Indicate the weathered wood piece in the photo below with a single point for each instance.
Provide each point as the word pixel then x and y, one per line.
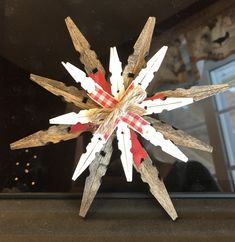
pixel 213 41
pixel 150 175
pixel 196 92
pixel 136 61
pixel 179 137
pixel 54 134
pixel 97 170
pixel 70 94
pixel 87 56
pixel 99 166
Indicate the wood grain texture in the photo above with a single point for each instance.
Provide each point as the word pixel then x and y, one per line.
pixel 179 137
pixel 99 166
pixel 136 61
pixel 70 94
pixel 87 56
pixel 97 170
pixel 196 92
pixel 150 175
pixel 54 134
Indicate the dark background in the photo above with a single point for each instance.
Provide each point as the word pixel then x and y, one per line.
pixel 34 39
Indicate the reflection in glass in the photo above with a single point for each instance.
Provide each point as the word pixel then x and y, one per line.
pixel 227 122
pixel 225 104
pixel 224 74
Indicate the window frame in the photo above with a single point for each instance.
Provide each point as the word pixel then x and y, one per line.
pixel 215 130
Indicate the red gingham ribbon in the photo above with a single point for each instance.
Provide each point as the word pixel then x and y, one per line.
pixel 107 101
pixel 135 121
pixel 103 98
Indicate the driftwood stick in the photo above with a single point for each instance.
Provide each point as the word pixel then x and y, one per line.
pixel 141 48
pixel 97 170
pixel 179 137
pixel 150 175
pixel 87 56
pixel 196 92
pixel 71 94
pixel 54 134
pixel 99 166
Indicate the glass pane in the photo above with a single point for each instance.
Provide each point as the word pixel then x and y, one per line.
pixel 224 74
pixel 191 119
pixel 199 132
pixel 227 121
pixel 185 117
pixel 34 39
pixel 233 176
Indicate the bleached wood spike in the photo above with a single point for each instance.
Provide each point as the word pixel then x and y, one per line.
pixel 124 145
pixel 179 137
pixel 95 146
pixel 116 79
pixel 83 117
pixel 158 105
pixel 156 138
pixel 146 75
pixel 87 83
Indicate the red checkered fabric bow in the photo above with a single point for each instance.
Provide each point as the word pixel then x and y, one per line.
pixel 121 109
pixel 106 100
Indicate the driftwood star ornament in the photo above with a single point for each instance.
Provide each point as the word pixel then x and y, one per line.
pixel 120 110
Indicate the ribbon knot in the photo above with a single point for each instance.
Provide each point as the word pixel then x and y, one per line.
pixel 128 103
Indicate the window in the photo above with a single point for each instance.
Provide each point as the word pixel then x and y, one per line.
pixel 225 111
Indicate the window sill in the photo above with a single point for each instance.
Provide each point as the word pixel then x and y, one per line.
pixel 116 219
